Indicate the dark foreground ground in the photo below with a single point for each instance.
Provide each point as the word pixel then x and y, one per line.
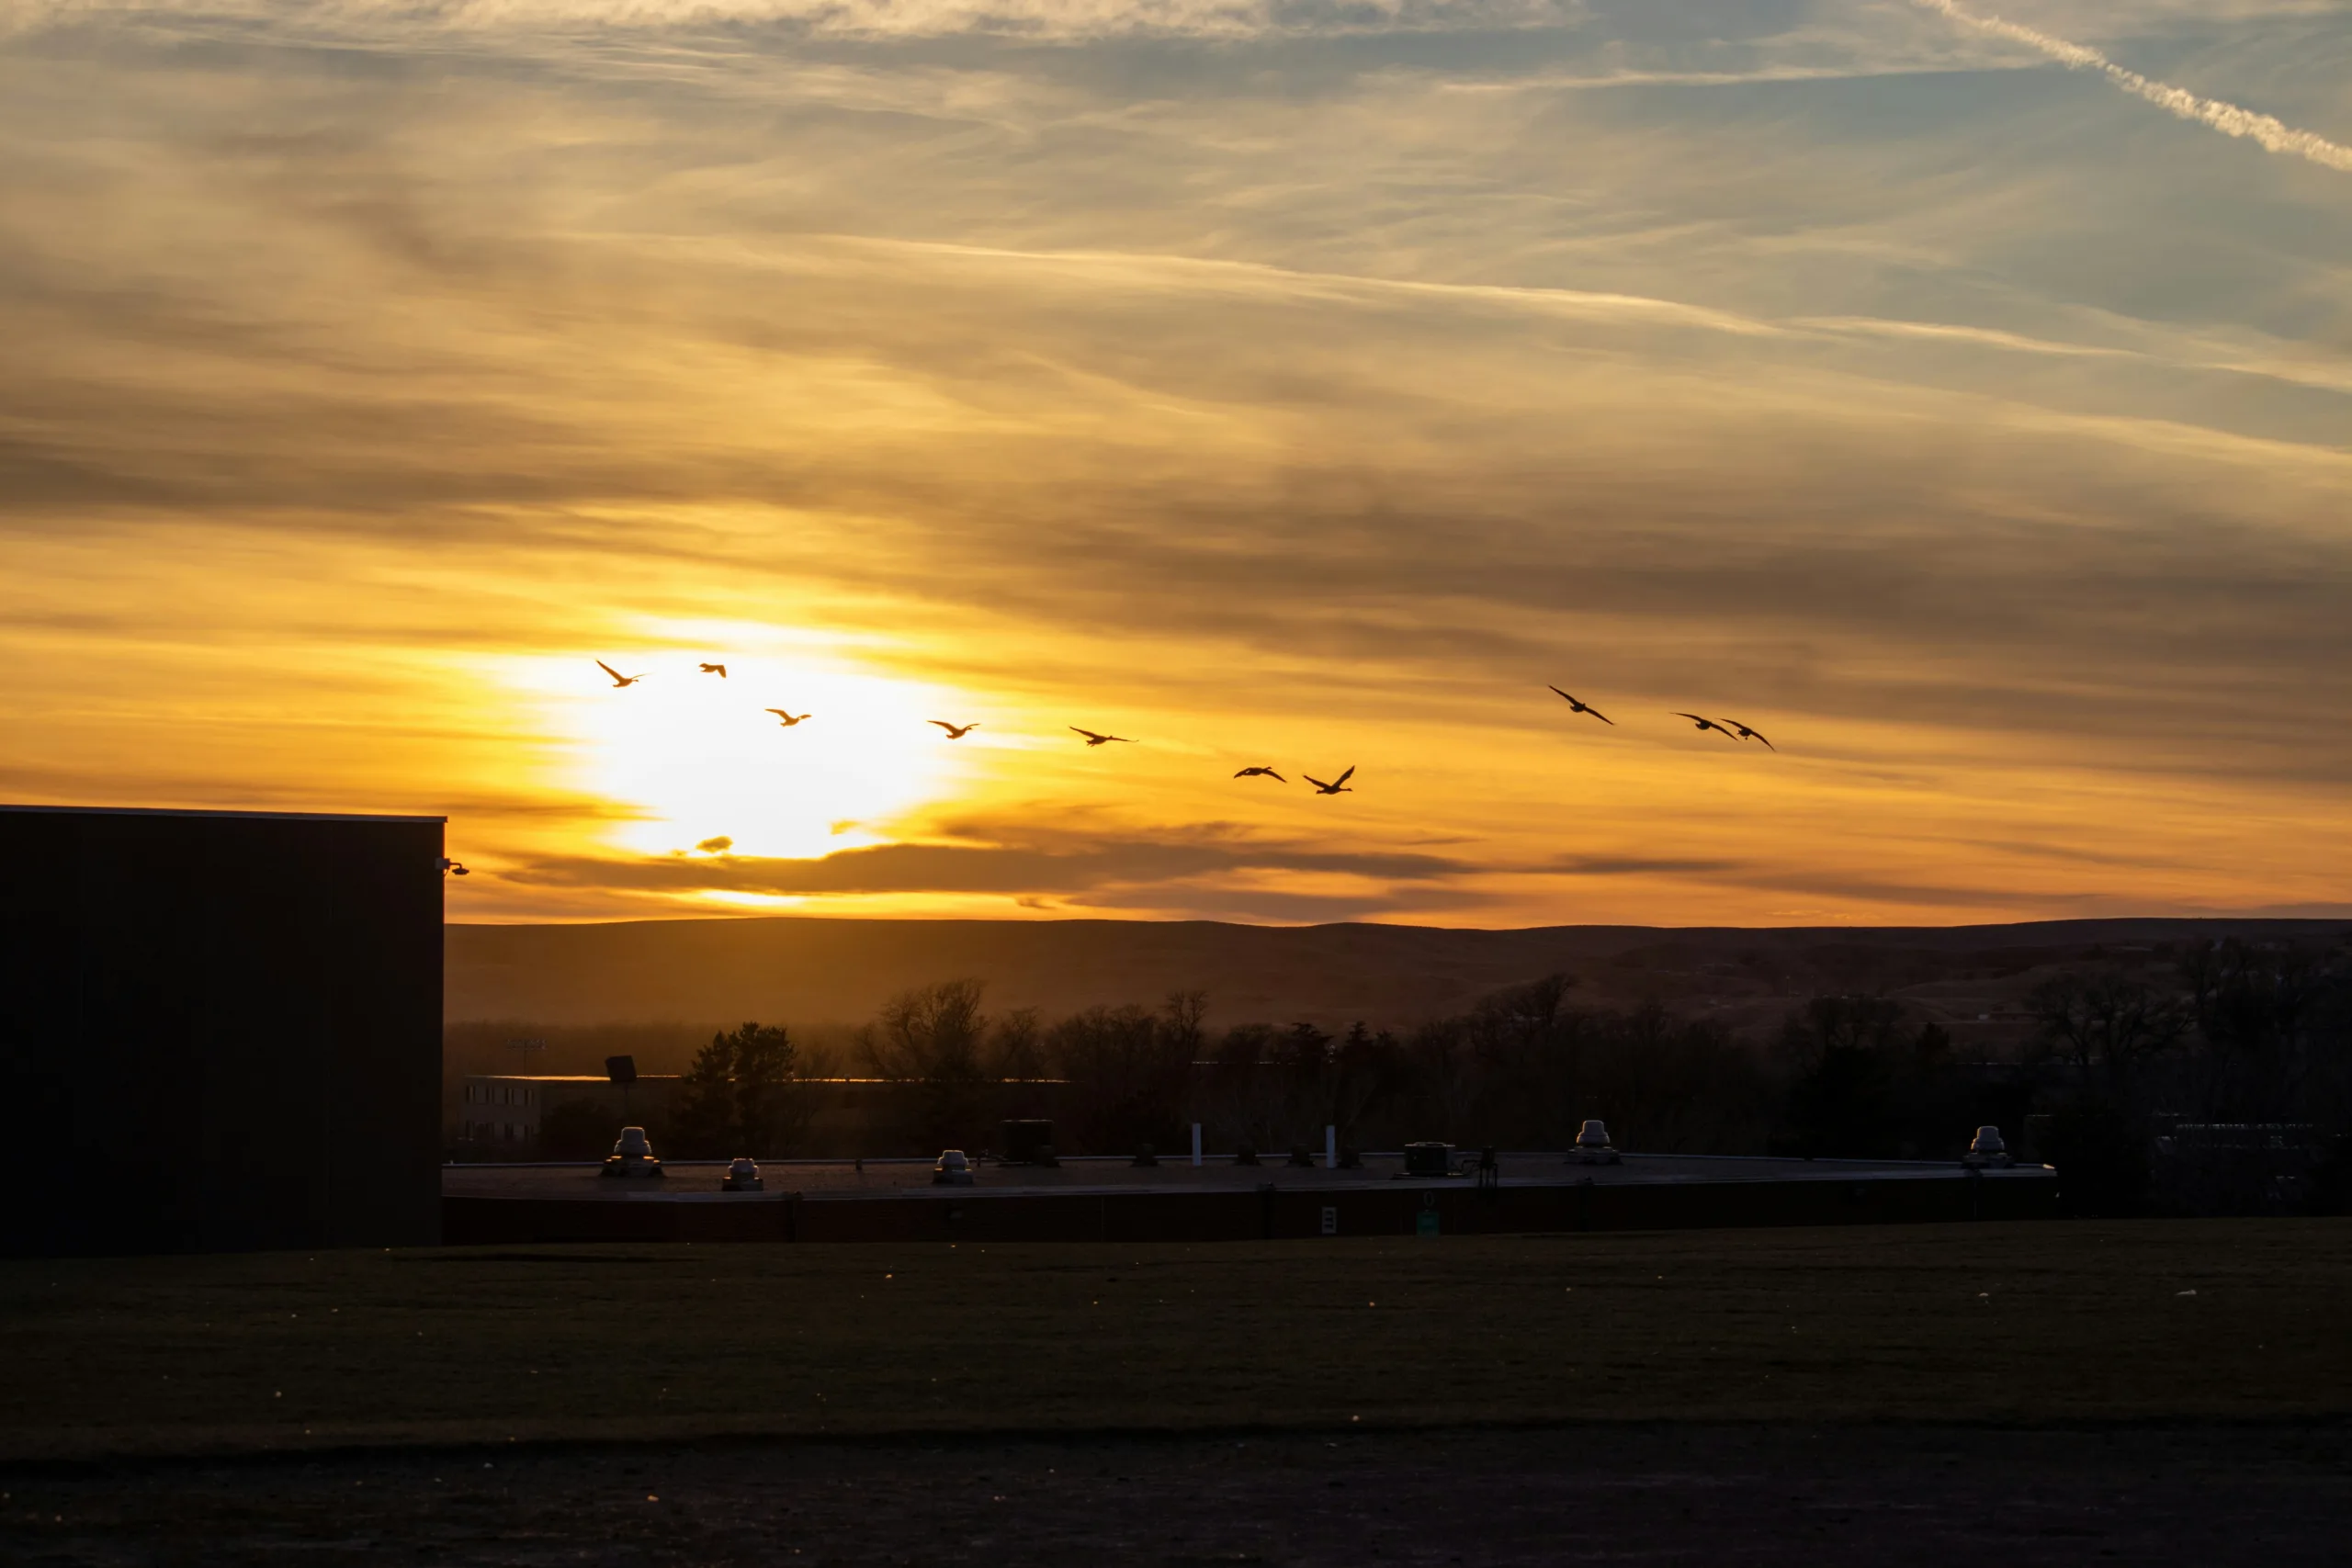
pixel 2279 1497
pixel 1966 1395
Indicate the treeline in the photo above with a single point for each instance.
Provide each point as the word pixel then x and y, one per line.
pixel 2124 1049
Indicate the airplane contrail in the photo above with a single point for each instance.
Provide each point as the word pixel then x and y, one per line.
pixel 2227 119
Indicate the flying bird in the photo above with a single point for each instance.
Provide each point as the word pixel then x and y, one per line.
pixel 1337 786
pixel 1260 774
pixel 618 678
pixel 1747 734
pixel 717 670
pixel 955 731
pixel 1723 729
pixel 1094 739
pixel 1575 706
pixel 789 718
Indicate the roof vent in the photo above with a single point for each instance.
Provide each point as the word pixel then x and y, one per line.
pixel 1593 1146
pixel 743 1176
pixel 953 1169
pixel 632 1154
pixel 1986 1148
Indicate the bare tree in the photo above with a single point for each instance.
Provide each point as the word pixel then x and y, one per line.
pixel 2102 1020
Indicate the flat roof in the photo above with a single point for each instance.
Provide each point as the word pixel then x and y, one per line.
pixel 192 811
pixel 1176 1173
pixel 655 1077
pixel 578 1077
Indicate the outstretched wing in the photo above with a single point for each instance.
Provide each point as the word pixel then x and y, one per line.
pixel 1600 716
pixel 1090 734
pixel 610 670
pixel 1275 776
pixel 1344 777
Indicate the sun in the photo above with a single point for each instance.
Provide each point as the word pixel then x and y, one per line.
pixel 688 759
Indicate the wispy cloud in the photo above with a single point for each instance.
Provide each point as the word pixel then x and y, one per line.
pixel 2264 130
pixel 1021 861
pixel 1272 396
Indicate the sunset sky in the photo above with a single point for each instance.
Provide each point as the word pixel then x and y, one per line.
pixel 1961 396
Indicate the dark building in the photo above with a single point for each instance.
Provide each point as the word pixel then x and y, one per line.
pixel 220 1030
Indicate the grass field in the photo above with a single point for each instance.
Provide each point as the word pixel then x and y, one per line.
pixel 2029 1324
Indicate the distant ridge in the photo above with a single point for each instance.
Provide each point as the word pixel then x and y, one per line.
pixel 807 970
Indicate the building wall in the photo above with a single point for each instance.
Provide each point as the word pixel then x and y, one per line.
pixel 220 1031
pixel 499 1113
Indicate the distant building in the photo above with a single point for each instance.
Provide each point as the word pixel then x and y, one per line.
pixel 503 1116
pixel 500 1114
pixel 220 1030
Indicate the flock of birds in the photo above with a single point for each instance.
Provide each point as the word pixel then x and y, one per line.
pixel 1729 728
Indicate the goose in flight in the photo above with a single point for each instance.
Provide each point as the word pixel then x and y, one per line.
pixel 1747 734
pixel 717 670
pixel 1337 786
pixel 1575 706
pixel 955 731
pixel 789 718
pixel 1723 729
pixel 618 678
pixel 1094 739
pixel 1260 774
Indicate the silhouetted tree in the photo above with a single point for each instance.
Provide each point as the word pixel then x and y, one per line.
pixel 1015 1046
pixel 1129 1071
pixel 1864 1086
pixel 737 1097
pixel 935 1037
pixel 2106 1025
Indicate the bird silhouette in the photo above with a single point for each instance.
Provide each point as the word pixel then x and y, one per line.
pixel 1337 786
pixel 1747 734
pixel 789 718
pixel 955 731
pixel 1722 730
pixel 1094 739
pixel 618 678
pixel 1575 706
pixel 1260 774
pixel 717 670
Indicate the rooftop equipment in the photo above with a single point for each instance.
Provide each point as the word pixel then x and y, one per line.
pixel 743 1175
pixel 1028 1142
pixel 1428 1158
pixel 1593 1146
pixel 1986 1148
pixel 953 1169
pixel 632 1154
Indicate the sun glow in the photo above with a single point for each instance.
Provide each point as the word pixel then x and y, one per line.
pixel 697 766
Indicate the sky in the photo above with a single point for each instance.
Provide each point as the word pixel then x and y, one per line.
pixel 1959 395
